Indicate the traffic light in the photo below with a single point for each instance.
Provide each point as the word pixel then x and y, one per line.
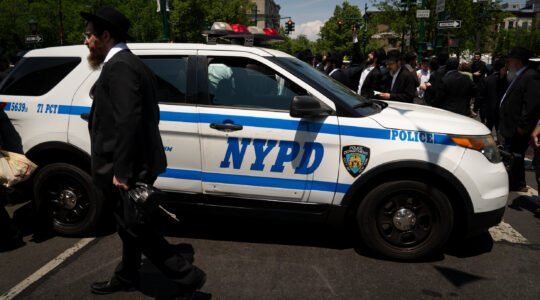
pixel 289 26
pixel 339 23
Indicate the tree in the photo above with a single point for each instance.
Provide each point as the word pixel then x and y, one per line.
pixel 190 17
pixel 401 20
pixel 338 36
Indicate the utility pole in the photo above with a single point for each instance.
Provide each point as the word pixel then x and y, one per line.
pixel 421 33
pixel 479 27
pixel 365 28
pixel 165 20
pixel 61 23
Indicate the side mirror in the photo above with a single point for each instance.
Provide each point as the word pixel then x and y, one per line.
pixel 308 107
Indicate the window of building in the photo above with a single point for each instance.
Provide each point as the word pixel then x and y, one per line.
pixel 524 25
pixel 510 24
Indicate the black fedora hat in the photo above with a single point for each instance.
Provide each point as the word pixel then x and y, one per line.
pixel 520 53
pixel 111 19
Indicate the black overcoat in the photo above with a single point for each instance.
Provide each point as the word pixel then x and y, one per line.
pixel 123 122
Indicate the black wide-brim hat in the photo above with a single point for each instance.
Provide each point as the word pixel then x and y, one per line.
pixel 520 53
pixel 111 19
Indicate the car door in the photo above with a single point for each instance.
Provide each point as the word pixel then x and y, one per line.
pixel 251 146
pixel 178 120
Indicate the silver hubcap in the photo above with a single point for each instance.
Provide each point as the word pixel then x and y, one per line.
pixel 68 199
pixel 404 219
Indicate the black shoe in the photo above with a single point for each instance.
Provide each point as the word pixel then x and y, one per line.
pixel 522 189
pixel 188 293
pixel 12 244
pixel 111 286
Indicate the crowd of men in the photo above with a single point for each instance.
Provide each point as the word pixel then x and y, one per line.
pixel 504 95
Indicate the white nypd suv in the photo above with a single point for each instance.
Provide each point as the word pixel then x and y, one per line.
pixel 257 129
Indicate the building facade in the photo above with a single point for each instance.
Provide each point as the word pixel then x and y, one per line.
pixel 523 17
pixel 267 14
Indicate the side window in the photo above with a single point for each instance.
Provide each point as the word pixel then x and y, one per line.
pixel 36 76
pixel 171 78
pixel 243 82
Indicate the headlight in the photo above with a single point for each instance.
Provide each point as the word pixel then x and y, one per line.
pixel 485 144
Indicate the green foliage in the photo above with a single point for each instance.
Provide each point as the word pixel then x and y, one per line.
pixel 401 20
pixel 189 17
pixel 332 36
pixel 509 38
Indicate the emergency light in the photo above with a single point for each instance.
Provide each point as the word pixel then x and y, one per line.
pixel 240 34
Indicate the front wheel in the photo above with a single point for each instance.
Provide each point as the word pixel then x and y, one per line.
pixel 68 198
pixel 405 219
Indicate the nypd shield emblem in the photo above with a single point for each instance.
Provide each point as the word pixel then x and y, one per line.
pixel 355 159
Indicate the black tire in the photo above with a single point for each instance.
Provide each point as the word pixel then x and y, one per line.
pixel 66 197
pixel 405 220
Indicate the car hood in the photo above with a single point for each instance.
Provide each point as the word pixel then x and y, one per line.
pixel 407 116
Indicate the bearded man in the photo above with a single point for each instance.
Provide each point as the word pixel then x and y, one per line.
pixel 126 148
pixel 519 112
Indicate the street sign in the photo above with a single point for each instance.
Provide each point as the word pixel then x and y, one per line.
pixel 33 38
pixel 440 6
pixel 422 13
pixel 450 24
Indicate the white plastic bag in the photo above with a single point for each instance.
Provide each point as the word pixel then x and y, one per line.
pixel 14 168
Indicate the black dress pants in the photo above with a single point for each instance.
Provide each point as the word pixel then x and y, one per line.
pixel 517 145
pixel 138 239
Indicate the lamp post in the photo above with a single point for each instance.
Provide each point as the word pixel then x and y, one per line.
pixel 33 28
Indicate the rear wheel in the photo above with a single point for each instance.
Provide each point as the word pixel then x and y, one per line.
pixel 405 219
pixel 68 197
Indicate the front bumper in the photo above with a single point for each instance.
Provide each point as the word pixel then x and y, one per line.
pixel 480 222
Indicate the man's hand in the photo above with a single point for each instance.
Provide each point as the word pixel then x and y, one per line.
pixel 477 73
pixel 521 131
pixel 120 182
pixel 385 96
pixel 534 137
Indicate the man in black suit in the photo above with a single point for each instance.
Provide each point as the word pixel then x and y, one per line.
pixel 334 61
pixel 366 80
pixel 126 147
pixel 519 111
pixel 478 68
pixel 455 91
pixel 435 78
pixel 490 92
pixel 402 86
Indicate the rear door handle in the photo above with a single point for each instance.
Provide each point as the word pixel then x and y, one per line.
pixel 226 127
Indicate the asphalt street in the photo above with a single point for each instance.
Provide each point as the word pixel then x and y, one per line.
pixel 254 259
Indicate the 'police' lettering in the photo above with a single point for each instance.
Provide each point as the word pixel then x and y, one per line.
pixel 287 153
pixel 412 136
pixel 261 154
pixel 309 147
pixel 313 153
pixel 234 152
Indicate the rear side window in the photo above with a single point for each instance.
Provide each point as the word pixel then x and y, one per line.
pixel 36 76
pixel 171 78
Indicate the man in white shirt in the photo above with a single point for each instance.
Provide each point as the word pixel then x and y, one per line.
pixel 423 75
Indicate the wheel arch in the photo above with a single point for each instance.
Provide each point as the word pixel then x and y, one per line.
pixel 55 152
pixel 412 170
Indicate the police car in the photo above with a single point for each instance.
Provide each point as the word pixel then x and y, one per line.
pixel 258 130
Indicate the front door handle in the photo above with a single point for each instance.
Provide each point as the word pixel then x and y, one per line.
pixel 226 127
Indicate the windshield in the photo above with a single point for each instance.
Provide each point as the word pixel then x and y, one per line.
pixel 337 92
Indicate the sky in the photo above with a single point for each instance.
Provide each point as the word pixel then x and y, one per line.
pixel 310 15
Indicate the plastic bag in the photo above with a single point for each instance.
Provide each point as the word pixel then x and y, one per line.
pixel 14 168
